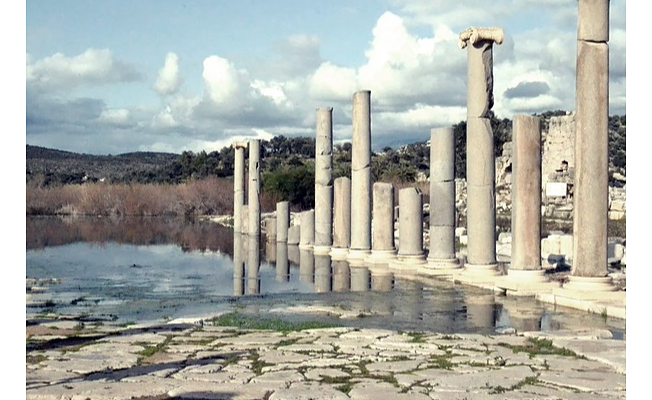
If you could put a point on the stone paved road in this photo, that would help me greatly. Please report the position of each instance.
(188, 361)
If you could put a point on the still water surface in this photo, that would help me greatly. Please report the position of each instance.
(156, 269)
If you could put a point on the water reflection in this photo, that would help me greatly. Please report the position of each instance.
(155, 275)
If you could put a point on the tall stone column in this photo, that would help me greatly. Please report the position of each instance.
(441, 255)
(253, 264)
(341, 218)
(254, 187)
(525, 275)
(238, 185)
(361, 178)
(244, 219)
(270, 229)
(324, 181)
(307, 230)
(410, 230)
(282, 221)
(480, 158)
(238, 265)
(383, 249)
(591, 190)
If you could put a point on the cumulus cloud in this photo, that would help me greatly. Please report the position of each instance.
(332, 83)
(169, 79)
(527, 89)
(118, 117)
(220, 78)
(92, 67)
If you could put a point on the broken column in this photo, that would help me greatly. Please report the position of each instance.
(441, 255)
(324, 181)
(410, 230)
(525, 275)
(341, 218)
(238, 185)
(307, 230)
(254, 187)
(591, 190)
(383, 249)
(282, 221)
(361, 178)
(480, 159)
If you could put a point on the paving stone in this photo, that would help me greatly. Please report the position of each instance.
(285, 378)
(324, 362)
(274, 356)
(311, 348)
(382, 390)
(318, 374)
(393, 366)
(219, 391)
(503, 377)
(366, 334)
(308, 391)
(586, 381)
(144, 337)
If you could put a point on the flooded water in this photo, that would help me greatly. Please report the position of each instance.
(156, 269)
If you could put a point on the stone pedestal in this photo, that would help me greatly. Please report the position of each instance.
(254, 187)
(383, 250)
(341, 218)
(591, 189)
(282, 221)
(410, 229)
(307, 230)
(324, 181)
(525, 275)
(441, 255)
(480, 165)
(361, 178)
(238, 185)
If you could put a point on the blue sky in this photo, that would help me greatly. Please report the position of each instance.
(108, 77)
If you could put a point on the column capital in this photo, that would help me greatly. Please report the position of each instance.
(475, 34)
(240, 144)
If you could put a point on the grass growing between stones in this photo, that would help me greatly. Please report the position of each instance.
(257, 364)
(536, 346)
(530, 380)
(243, 321)
(35, 359)
(151, 350)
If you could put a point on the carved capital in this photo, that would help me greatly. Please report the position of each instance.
(474, 35)
(240, 145)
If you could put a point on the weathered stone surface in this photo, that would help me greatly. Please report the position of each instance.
(342, 213)
(253, 204)
(361, 172)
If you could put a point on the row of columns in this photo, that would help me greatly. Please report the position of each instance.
(341, 223)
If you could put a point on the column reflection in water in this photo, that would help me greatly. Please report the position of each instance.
(253, 261)
(480, 310)
(382, 281)
(410, 305)
(341, 276)
(360, 278)
(282, 263)
(293, 255)
(323, 273)
(238, 265)
(524, 315)
(306, 266)
(270, 251)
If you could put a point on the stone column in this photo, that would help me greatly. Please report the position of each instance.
(244, 216)
(238, 185)
(480, 157)
(324, 181)
(383, 250)
(282, 221)
(294, 235)
(254, 187)
(441, 255)
(361, 178)
(270, 229)
(591, 190)
(410, 230)
(307, 230)
(525, 275)
(341, 218)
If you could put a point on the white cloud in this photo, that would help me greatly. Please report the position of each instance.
(118, 117)
(221, 79)
(332, 83)
(92, 67)
(169, 79)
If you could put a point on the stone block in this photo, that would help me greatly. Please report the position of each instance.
(480, 168)
(593, 20)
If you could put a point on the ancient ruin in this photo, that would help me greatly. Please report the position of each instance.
(324, 181)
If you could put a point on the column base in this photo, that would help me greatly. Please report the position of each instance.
(321, 250)
(380, 257)
(408, 263)
(526, 282)
(441, 266)
(590, 284)
(482, 275)
(339, 253)
(305, 246)
(356, 257)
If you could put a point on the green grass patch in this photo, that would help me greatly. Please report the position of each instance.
(535, 346)
(243, 321)
(35, 359)
(158, 348)
(417, 337)
(286, 342)
(257, 364)
(442, 361)
(345, 388)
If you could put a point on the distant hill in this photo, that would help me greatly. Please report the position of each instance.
(50, 166)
